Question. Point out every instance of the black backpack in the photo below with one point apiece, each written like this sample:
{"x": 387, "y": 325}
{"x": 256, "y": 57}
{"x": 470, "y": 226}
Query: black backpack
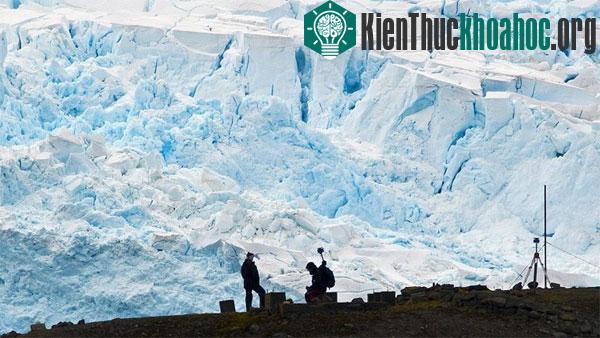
{"x": 328, "y": 277}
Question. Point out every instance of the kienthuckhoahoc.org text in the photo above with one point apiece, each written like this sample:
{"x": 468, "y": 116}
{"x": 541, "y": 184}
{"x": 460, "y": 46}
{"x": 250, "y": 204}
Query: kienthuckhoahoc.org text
{"x": 473, "y": 32}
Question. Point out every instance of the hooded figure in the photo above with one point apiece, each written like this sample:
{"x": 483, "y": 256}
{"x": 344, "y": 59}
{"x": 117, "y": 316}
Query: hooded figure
{"x": 252, "y": 281}
{"x": 318, "y": 286}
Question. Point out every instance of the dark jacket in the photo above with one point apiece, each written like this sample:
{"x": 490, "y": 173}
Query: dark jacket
{"x": 250, "y": 274}
{"x": 318, "y": 281}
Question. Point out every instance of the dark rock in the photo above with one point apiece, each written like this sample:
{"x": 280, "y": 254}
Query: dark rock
{"x": 478, "y": 288}
{"x": 524, "y": 306}
{"x": 418, "y": 297}
{"x": 498, "y": 302}
{"x": 38, "y": 327}
{"x": 481, "y": 295}
{"x": 388, "y": 297}
{"x": 227, "y": 306}
{"x": 534, "y": 315}
{"x": 447, "y": 297}
{"x": 434, "y": 295}
{"x": 462, "y": 298}
{"x": 522, "y": 313}
{"x": 280, "y": 335}
{"x": 288, "y": 310}
{"x": 570, "y": 328}
{"x": 569, "y": 317}
{"x": 407, "y": 291}
{"x": 585, "y": 327}
{"x": 81, "y": 322}
{"x": 357, "y": 301}
{"x": 518, "y": 293}
{"x": 546, "y": 310}
{"x": 330, "y": 297}
{"x": 254, "y": 328}
{"x": 512, "y": 302}
{"x": 567, "y": 309}
{"x": 272, "y": 301}
{"x": 62, "y": 324}
{"x": 400, "y": 299}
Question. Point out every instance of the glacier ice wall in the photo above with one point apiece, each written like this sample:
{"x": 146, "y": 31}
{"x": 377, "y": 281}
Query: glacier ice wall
{"x": 143, "y": 152}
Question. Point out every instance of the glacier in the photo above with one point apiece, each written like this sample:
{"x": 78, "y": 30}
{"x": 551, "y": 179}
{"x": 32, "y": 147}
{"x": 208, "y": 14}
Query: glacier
{"x": 144, "y": 150}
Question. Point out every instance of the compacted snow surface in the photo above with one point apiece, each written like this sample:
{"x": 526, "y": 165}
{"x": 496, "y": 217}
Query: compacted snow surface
{"x": 146, "y": 145}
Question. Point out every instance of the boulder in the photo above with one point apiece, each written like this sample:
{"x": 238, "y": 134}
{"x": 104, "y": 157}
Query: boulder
{"x": 407, "y": 291}
{"x": 227, "y": 306}
{"x": 388, "y": 297}
{"x": 477, "y": 288}
{"x": 401, "y": 299}
{"x": 273, "y": 299}
{"x": 62, "y": 324}
{"x": 38, "y": 327}
{"x": 330, "y": 297}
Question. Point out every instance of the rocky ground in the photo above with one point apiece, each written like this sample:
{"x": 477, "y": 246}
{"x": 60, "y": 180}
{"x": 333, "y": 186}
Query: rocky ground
{"x": 441, "y": 310}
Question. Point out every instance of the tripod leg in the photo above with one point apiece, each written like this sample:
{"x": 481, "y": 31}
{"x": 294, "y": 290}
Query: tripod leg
{"x": 535, "y": 271}
{"x": 528, "y": 272}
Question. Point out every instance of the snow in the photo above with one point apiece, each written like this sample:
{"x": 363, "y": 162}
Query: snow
{"x": 145, "y": 146}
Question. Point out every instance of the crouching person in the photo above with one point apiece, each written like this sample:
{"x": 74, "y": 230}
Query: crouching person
{"x": 252, "y": 282}
{"x": 318, "y": 286}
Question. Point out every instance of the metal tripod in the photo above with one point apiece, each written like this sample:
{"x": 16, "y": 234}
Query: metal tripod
{"x": 534, "y": 265}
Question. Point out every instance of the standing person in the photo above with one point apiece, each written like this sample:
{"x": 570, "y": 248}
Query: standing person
{"x": 252, "y": 281}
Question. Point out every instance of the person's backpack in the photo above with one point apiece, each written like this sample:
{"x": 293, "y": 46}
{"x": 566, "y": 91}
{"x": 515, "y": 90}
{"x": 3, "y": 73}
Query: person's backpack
{"x": 328, "y": 277}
